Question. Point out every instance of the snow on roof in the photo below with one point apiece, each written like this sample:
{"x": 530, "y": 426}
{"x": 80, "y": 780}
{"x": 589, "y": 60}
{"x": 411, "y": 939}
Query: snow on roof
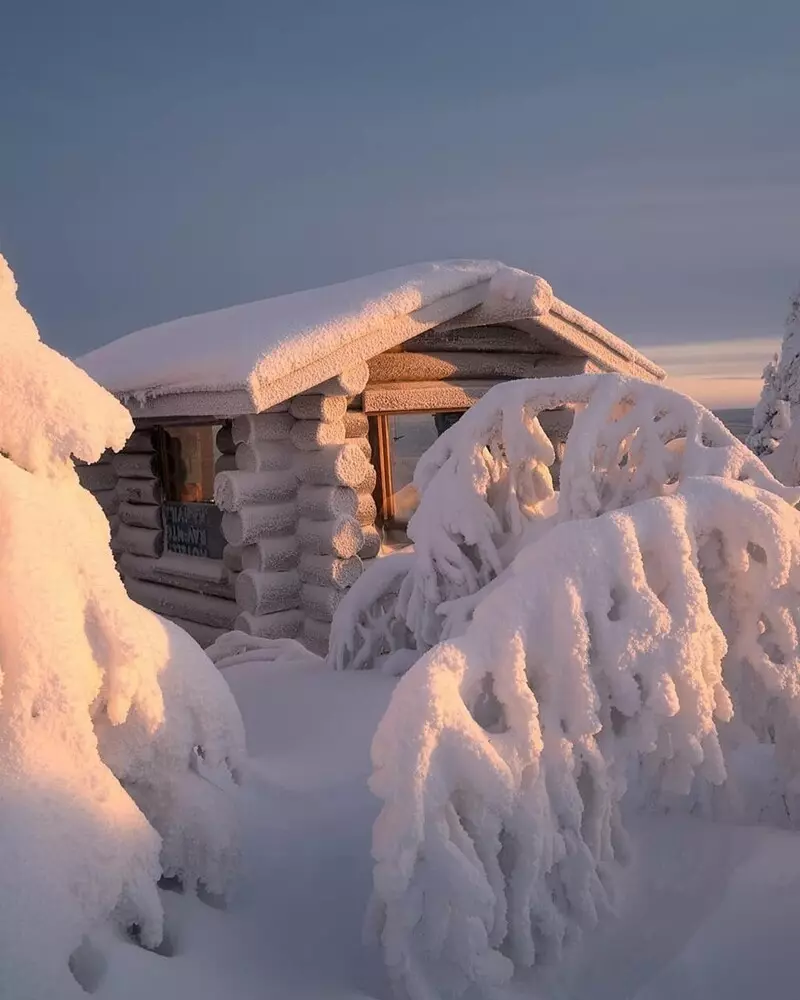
{"x": 249, "y": 357}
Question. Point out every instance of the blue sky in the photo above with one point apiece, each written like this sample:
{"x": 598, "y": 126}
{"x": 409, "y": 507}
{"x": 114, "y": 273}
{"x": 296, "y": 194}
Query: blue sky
{"x": 165, "y": 158}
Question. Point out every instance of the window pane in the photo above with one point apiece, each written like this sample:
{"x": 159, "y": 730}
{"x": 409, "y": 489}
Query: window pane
{"x": 411, "y": 434}
{"x": 190, "y": 456}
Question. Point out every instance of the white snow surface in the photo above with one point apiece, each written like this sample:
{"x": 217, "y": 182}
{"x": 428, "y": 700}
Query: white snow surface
{"x": 253, "y": 356}
{"x": 248, "y": 346}
{"x": 50, "y": 408}
{"x": 704, "y": 909}
{"x": 119, "y": 740}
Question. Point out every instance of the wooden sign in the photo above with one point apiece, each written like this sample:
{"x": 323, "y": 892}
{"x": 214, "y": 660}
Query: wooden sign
{"x": 194, "y": 529}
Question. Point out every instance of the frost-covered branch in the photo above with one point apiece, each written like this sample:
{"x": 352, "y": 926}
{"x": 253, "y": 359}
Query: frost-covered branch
{"x": 486, "y": 490}
{"x": 636, "y": 648}
{"x": 777, "y": 407}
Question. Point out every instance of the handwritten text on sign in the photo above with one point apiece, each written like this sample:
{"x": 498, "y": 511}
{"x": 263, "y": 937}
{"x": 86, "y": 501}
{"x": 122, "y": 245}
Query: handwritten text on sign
{"x": 194, "y": 529}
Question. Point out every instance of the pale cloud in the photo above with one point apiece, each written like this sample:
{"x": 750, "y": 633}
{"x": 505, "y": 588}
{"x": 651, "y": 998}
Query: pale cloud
{"x": 717, "y": 373}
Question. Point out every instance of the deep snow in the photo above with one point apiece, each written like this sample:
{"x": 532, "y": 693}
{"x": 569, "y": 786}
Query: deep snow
{"x": 705, "y": 909}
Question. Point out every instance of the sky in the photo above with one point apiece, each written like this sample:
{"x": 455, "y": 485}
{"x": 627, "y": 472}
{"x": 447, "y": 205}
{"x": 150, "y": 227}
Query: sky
{"x": 160, "y": 159}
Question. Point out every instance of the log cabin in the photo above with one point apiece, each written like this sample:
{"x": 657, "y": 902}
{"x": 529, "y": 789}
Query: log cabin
{"x": 276, "y": 441}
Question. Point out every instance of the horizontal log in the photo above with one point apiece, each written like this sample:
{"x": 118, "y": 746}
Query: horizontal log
{"x": 235, "y": 490}
{"x": 273, "y": 554}
{"x": 328, "y": 571}
{"x": 342, "y": 537}
{"x": 350, "y": 382}
{"x": 336, "y": 465}
{"x": 140, "y": 442}
{"x": 139, "y": 541}
{"x": 203, "y": 635}
{"x": 315, "y": 636}
{"x": 108, "y": 500}
{"x": 311, "y": 435}
{"x": 263, "y": 593}
{"x": 250, "y": 523}
{"x": 278, "y": 625}
{"x": 320, "y": 602}
{"x": 265, "y": 456}
{"x": 177, "y": 602}
{"x": 140, "y": 515}
{"x": 312, "y": 407}
{"x": 253, "y": 427}
{"x": 232, "y": 558}
{"x": 372, "y": 543}
{"x": 323, "y": 503}
{"x": 408, "y": 366}
{"x": 145, "y": 491}
{"x": 369, "y": 482}
{"x": 356, "y": 424}
{"x": 135, "y": 466}
{"x": 491, "y": 339}
{"x": 225, "y": 463}
{"x": 224, "y": 440}
{"x": 154, "y": 570}
{"x": 96, "y": 478}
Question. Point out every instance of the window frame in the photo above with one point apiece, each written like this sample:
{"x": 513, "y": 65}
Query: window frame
{"x": 380, "y": 440}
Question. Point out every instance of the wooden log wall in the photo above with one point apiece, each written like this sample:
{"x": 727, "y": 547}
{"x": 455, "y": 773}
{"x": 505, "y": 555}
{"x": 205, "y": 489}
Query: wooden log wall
{"x": 197, "y": 594}
{"x": 335, "y": 508}
{"x": 259, "y": 503}
{"x": 140, "y": 529}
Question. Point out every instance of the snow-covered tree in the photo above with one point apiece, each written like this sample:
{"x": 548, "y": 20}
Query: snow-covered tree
{"x": 779, "y": 405}
{"x": 119, "y": 741}
{"x": 624, "y": 638}
{"x": 486, "y": 492}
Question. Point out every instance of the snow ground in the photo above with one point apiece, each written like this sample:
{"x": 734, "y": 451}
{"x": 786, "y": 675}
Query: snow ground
{"x": 706, "y": 910}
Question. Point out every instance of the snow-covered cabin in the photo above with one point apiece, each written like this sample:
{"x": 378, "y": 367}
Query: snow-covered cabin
{"x": 276, "y": 441}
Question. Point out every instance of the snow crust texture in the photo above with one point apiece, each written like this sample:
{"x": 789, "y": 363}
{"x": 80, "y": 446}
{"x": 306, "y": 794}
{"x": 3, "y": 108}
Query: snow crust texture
{"x": 620, "y": 640}
{"x": 119, "y": 740}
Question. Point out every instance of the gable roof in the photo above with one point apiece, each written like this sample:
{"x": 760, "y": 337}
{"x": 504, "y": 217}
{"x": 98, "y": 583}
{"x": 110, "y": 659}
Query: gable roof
{"x": 250, "y": 357}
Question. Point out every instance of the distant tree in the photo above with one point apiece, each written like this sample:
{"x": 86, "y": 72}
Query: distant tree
{"x": 779, "y": 404}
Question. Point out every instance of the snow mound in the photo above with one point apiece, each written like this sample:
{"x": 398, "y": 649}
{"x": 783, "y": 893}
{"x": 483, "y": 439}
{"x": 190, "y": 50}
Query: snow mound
{"x": 51, "y": 408}
{"x": 119, "y": 741}
{"x": 637, "y": 649}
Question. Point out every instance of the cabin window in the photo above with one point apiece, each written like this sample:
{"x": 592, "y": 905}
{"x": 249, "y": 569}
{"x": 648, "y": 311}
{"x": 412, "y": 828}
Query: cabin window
{"x": 188, "y": 459}
{"x": 400, "y": 439}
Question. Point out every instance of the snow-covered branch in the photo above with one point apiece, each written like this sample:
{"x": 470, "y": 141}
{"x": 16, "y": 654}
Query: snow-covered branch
{"x": 486, "y": 490}
{"x": 636, "y": 648}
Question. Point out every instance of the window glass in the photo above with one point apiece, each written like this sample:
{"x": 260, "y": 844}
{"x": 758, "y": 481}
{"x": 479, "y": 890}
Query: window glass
{"x": 192, "y": 521}
{"x": 190, "y": 454}
{"x": 410, "y": 435}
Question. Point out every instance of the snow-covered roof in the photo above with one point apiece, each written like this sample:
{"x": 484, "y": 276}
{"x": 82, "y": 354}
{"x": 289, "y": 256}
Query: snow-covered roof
{"x": 249, "y": 357}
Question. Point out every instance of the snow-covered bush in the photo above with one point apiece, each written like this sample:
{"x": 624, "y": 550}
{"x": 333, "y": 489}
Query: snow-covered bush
{"x": 638, "y": 649}
{"x": 777, "y": 408}
{"x": 119, "y": 741}
{"x": 486, "y": 492}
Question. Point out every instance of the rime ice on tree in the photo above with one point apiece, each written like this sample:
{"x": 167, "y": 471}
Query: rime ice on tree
{"x": 780, "y": 395}
{"x": 623, "y": 636}
{"x": 119, "y": 738}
